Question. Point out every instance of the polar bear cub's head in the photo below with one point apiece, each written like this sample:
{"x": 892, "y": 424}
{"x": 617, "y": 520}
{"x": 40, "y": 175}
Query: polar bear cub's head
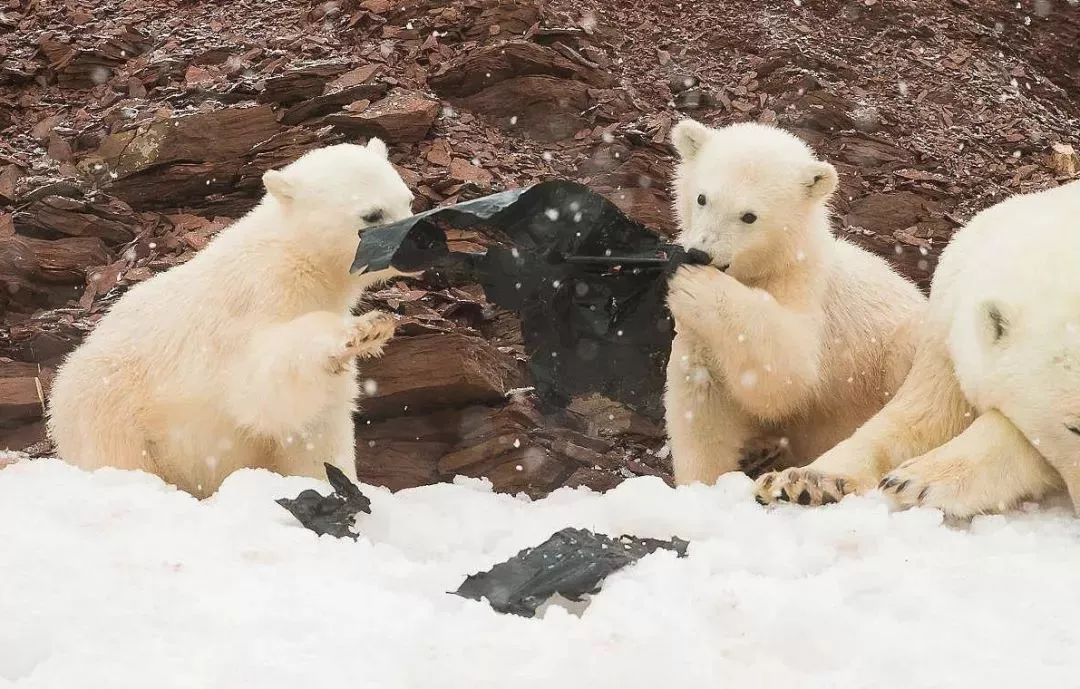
{"x": 339, "y": 189}
{"x": 748, "y": 193}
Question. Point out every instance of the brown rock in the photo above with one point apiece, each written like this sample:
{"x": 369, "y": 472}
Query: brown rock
{"x": 79, "y": 68}
{"x": 43, "y": 128}
{"x": 1064, "y": 160}
{"x": 220, "y": 135}
{"x": 491, "y": 64}
{"x": 21, "y": 399}
{"x": 436, "y": 371}
{"x": 462, "y": 170}
{"x": 404, "y": 452}
{"x": 43, "y": 339}
{"x": 9, "y": 177}
{"x": 606, "y": 418}
{"x": 401, "y": 116}
{"x": 197, "y": 76}
{"x": 66, "y": 260}
{"x": 871, "y": 153}
{"x": 533, "y": 471}
{"x": 598, "y": 480}
{"x": 354, "y": 77}
{"x": 300, "y": 83}
{"x": 99, "y": 215}
{"x": 332, "y": 100}
{"x": 21, "y": 437}
{"x": 825, "y": 112}
{"x": 890, "y": 212}
{"x": 227, "y": 183}
{"x": 439, "y": 153}
{"x": 544, "y": 107}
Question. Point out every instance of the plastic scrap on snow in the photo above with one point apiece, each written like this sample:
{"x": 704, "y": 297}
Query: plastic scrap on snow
{"x": 332, "y": 514}
{"x": 572, "y": 563}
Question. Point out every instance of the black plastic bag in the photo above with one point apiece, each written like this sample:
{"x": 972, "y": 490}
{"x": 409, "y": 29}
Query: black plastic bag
{"x": 589, "y": 283}
{"x": 572, "y": 563}
{"x": 332, "y": 514}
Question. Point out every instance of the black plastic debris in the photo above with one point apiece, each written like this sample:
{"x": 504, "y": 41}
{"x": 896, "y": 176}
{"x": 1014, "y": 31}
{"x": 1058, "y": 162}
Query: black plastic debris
{"x": 589, "y": 283}
{"x": 572, "y": 563}
{"x": 332, "y": 514}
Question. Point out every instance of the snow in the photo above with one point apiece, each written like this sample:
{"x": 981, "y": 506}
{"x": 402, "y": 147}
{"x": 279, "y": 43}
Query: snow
{"x": 115, "y": 580}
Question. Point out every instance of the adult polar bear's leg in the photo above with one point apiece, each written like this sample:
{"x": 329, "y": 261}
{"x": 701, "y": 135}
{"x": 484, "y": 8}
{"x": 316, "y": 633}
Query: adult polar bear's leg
{"x": 989, "y": 467}
{"x": 928, "y": 410}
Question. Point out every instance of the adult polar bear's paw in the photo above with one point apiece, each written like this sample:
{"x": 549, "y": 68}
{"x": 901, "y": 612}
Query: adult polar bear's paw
{"x": 989, "y": 467}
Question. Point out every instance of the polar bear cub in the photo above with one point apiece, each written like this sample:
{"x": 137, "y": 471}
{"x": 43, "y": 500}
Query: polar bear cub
{"x": 990, "y": 413}
{"x": 803, "y": 336}
{"x": 245, "y": 355}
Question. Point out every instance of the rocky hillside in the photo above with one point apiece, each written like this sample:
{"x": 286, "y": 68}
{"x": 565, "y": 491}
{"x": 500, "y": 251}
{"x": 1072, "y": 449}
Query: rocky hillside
{"x": 131, "y": 131}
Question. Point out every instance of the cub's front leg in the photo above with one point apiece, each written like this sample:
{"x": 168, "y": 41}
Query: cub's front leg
{"x": 767, "y": 352}
{"x": 291, "y": 372}
{"x": 706, "y": 428}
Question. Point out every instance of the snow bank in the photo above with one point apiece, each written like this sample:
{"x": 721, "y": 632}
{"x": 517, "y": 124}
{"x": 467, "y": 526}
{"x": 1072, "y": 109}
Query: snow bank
{"x": 115, "y": 580}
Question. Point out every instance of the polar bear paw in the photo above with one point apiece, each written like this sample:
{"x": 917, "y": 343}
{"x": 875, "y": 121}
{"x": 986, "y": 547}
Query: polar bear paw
{"x": 802, "y": 486}
{"x": 365, "y": 337}
{"x": 947, "y": 485}
{"x": 761, "y": 455}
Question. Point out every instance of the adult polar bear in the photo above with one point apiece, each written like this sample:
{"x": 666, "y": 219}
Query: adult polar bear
{"x": 245, "y": 355}
{"x": 803, "y": 335}
{"x": 990, "y": 413}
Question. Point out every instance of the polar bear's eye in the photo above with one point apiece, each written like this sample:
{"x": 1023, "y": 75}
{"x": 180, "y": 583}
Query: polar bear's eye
{"x": 373, "y": 217}
{"x": 748, "y": 218}
{"x": 701, "y": 199}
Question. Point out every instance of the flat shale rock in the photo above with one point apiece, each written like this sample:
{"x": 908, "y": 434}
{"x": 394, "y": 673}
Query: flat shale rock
{"x": 428, "y": 372}
{"x": 300, "y": 83}
{"x": 33, "y": 272}
{"x": 491, "y": 64}
{"x": 21, "y": 393}
{"x": 219, "y": 135}
{"x": 22, "y": 436}
{"x": 546, "y": 108}
{"x": 402, "y": 116}
{"x": 332, "y": 101}
{"x": 100, "y": 215}
{"x": 210, "y": 162}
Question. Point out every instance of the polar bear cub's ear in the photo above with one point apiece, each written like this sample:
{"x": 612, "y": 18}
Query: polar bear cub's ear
{"x": 378, "y": 147}
{"x": 995, "y": 321}
{"x": 279, "y": 185}
{"x": 689, "y": 137}
{"x": 820, "y": 179}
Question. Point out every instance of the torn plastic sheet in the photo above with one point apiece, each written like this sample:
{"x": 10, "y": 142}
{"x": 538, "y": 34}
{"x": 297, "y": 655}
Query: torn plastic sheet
{"x": 333, "y": 514}
{"x": 572, "y": 564}
{"x": 589, "y": 284}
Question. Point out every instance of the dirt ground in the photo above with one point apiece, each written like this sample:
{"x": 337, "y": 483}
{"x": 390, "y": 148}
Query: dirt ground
{"x": 132, "y": 131}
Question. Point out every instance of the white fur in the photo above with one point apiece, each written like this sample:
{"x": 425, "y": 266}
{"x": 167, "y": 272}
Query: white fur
{"x": 243, "y": 356}
{"x": 983, "y": 419}
{"x": 804, "y": 335}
